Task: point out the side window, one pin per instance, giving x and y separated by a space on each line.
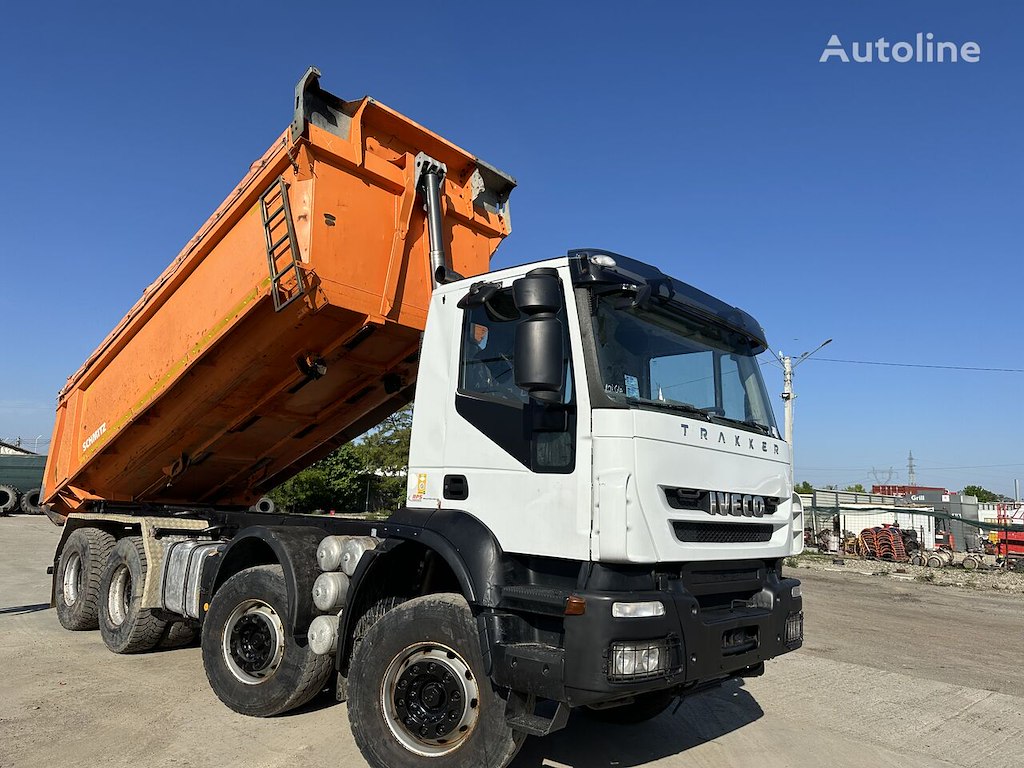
490 400
488 347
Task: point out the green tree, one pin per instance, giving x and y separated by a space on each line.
855 488
384 455
368 474
334 482
803 487
984 495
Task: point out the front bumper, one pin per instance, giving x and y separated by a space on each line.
702 637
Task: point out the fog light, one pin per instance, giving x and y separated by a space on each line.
633 660
795 628
641 660
638 610
797 592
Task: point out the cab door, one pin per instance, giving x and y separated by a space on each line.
519 465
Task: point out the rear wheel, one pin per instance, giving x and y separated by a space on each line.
179 634
418 695
78 577
127 627
253 663
934 561
645 706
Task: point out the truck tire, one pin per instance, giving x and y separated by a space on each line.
77 580
8 499
30 502
125 626
179 634
253 663
418 695
645 706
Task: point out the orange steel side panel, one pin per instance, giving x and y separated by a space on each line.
199 394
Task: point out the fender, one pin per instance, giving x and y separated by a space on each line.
294 547
465 544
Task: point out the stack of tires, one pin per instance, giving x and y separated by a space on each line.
12 500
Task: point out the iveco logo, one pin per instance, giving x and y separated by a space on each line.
736 504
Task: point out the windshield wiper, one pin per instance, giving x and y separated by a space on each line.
763 429
673 406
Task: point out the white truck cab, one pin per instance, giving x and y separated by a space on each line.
657 445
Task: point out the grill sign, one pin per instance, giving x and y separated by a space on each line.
735 504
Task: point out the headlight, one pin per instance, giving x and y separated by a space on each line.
638 610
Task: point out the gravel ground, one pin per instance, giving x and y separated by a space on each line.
893 673
996 579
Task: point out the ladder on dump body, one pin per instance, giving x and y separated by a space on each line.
282 250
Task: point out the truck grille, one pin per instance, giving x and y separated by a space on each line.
697 499
722 533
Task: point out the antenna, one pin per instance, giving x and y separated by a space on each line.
911 474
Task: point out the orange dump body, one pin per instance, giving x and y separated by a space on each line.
206 392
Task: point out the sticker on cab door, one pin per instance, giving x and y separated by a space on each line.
421 487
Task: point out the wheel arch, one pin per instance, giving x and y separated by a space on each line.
450 551
291 547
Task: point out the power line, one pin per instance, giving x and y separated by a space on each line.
919 365
930 469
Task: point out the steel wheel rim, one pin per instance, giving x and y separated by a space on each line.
430 699
253 642
72 578
119 596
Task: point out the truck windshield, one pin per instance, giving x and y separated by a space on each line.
657 358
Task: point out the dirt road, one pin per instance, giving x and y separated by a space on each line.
893 674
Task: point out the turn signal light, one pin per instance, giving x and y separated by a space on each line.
575 606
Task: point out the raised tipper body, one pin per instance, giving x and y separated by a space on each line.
200 394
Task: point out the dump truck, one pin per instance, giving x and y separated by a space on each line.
598 505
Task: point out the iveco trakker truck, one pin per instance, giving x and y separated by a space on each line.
598 506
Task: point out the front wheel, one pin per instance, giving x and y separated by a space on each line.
252 661
418 695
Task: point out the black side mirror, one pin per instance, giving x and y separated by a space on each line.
539 361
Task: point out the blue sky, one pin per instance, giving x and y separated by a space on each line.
876 204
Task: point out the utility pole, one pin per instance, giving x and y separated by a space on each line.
788 396
911 473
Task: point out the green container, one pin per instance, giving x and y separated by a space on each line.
24 472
